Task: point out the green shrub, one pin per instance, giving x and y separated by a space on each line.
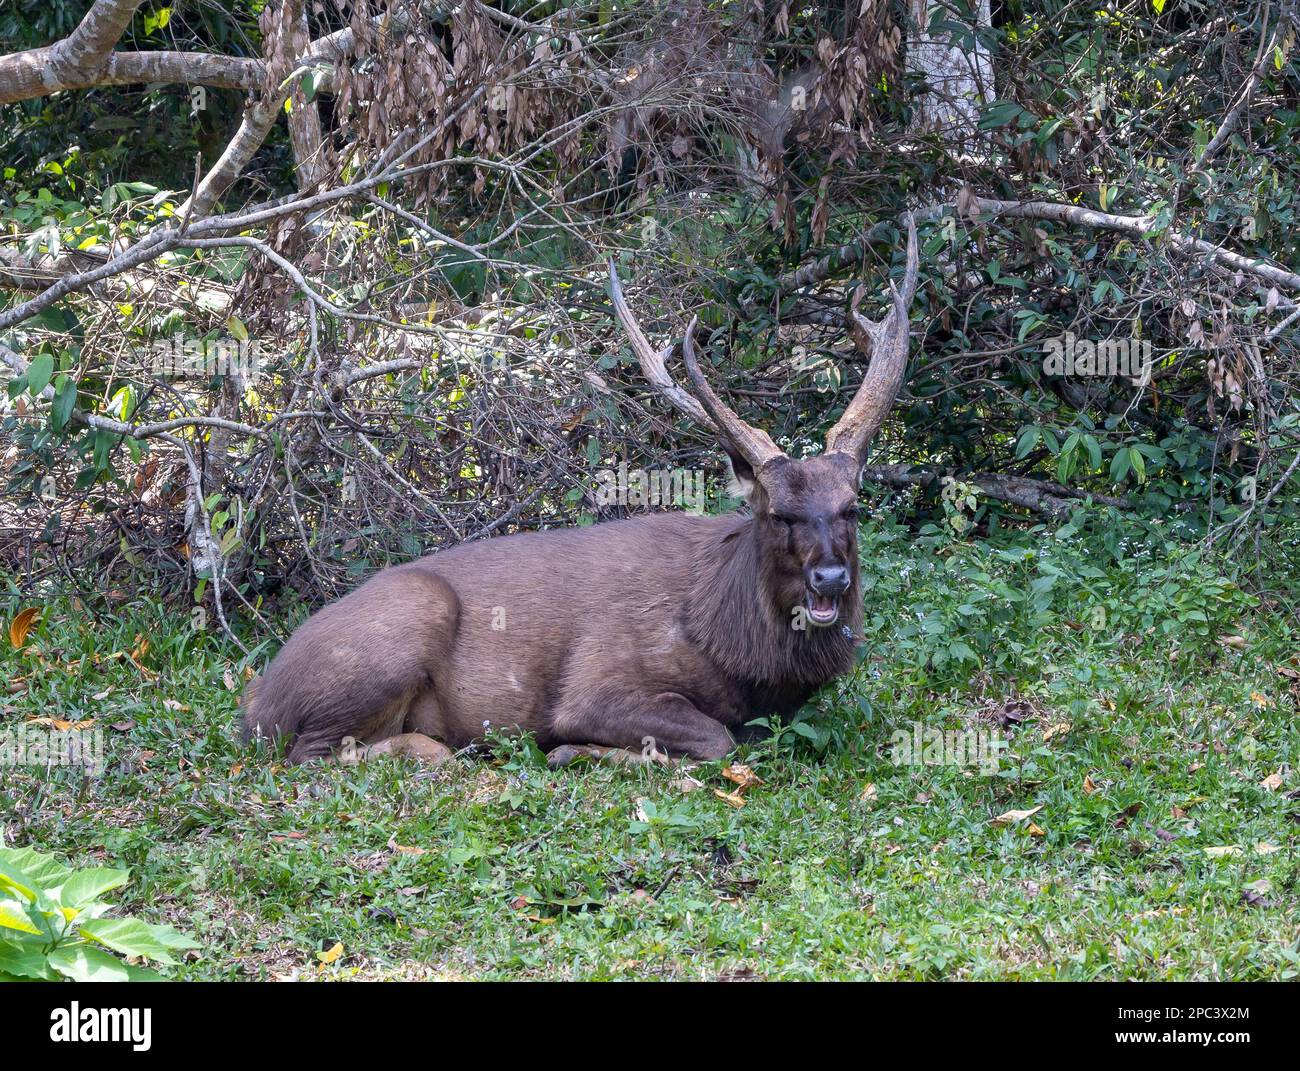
53 924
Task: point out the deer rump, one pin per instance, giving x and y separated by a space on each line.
672 627
657 626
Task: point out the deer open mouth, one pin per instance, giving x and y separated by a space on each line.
822 609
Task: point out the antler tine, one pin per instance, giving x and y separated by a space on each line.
753 444
888 341
653 365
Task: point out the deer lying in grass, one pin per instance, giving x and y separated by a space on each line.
676 627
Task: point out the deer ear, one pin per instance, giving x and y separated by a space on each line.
741 480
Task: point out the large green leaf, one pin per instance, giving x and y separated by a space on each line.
39 373
88 963
13 916
42 868
86 885
24 959
132 937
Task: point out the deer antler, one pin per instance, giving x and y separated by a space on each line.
706 408
886 343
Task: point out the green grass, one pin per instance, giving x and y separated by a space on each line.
494 867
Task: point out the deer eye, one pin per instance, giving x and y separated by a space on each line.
850 514
785 518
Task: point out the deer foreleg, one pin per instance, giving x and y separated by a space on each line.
667 723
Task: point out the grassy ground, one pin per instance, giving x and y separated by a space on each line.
1149 708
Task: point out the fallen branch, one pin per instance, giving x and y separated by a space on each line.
854 252
1038 496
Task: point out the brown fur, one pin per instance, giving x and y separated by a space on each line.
671 626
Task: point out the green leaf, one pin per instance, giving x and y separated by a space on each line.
65 400
132 937
24 960
1138 463
39 373
87 963
1119 466
39 867
1027 441
1094 451
14 917
86 885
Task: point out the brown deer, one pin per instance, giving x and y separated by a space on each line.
674 627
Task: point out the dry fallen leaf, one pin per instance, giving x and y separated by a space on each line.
1089 786
332 955
21 625
1035 830
869 793
59 725
742 775
1238 643
140 649
1059 729
734 798
1007 817
1222 851
1273 781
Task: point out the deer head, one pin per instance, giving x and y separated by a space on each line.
804 512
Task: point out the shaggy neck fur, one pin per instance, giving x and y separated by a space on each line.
735 616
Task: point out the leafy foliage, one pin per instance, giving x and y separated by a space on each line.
54 924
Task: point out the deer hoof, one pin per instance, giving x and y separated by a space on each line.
424 749
568 754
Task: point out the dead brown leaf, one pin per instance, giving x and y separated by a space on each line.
1007 817
21 625
742 775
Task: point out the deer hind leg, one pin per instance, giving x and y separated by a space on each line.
666 722
359 667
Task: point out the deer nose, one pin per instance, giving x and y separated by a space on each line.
830 579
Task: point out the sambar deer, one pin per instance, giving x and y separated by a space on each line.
674 627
